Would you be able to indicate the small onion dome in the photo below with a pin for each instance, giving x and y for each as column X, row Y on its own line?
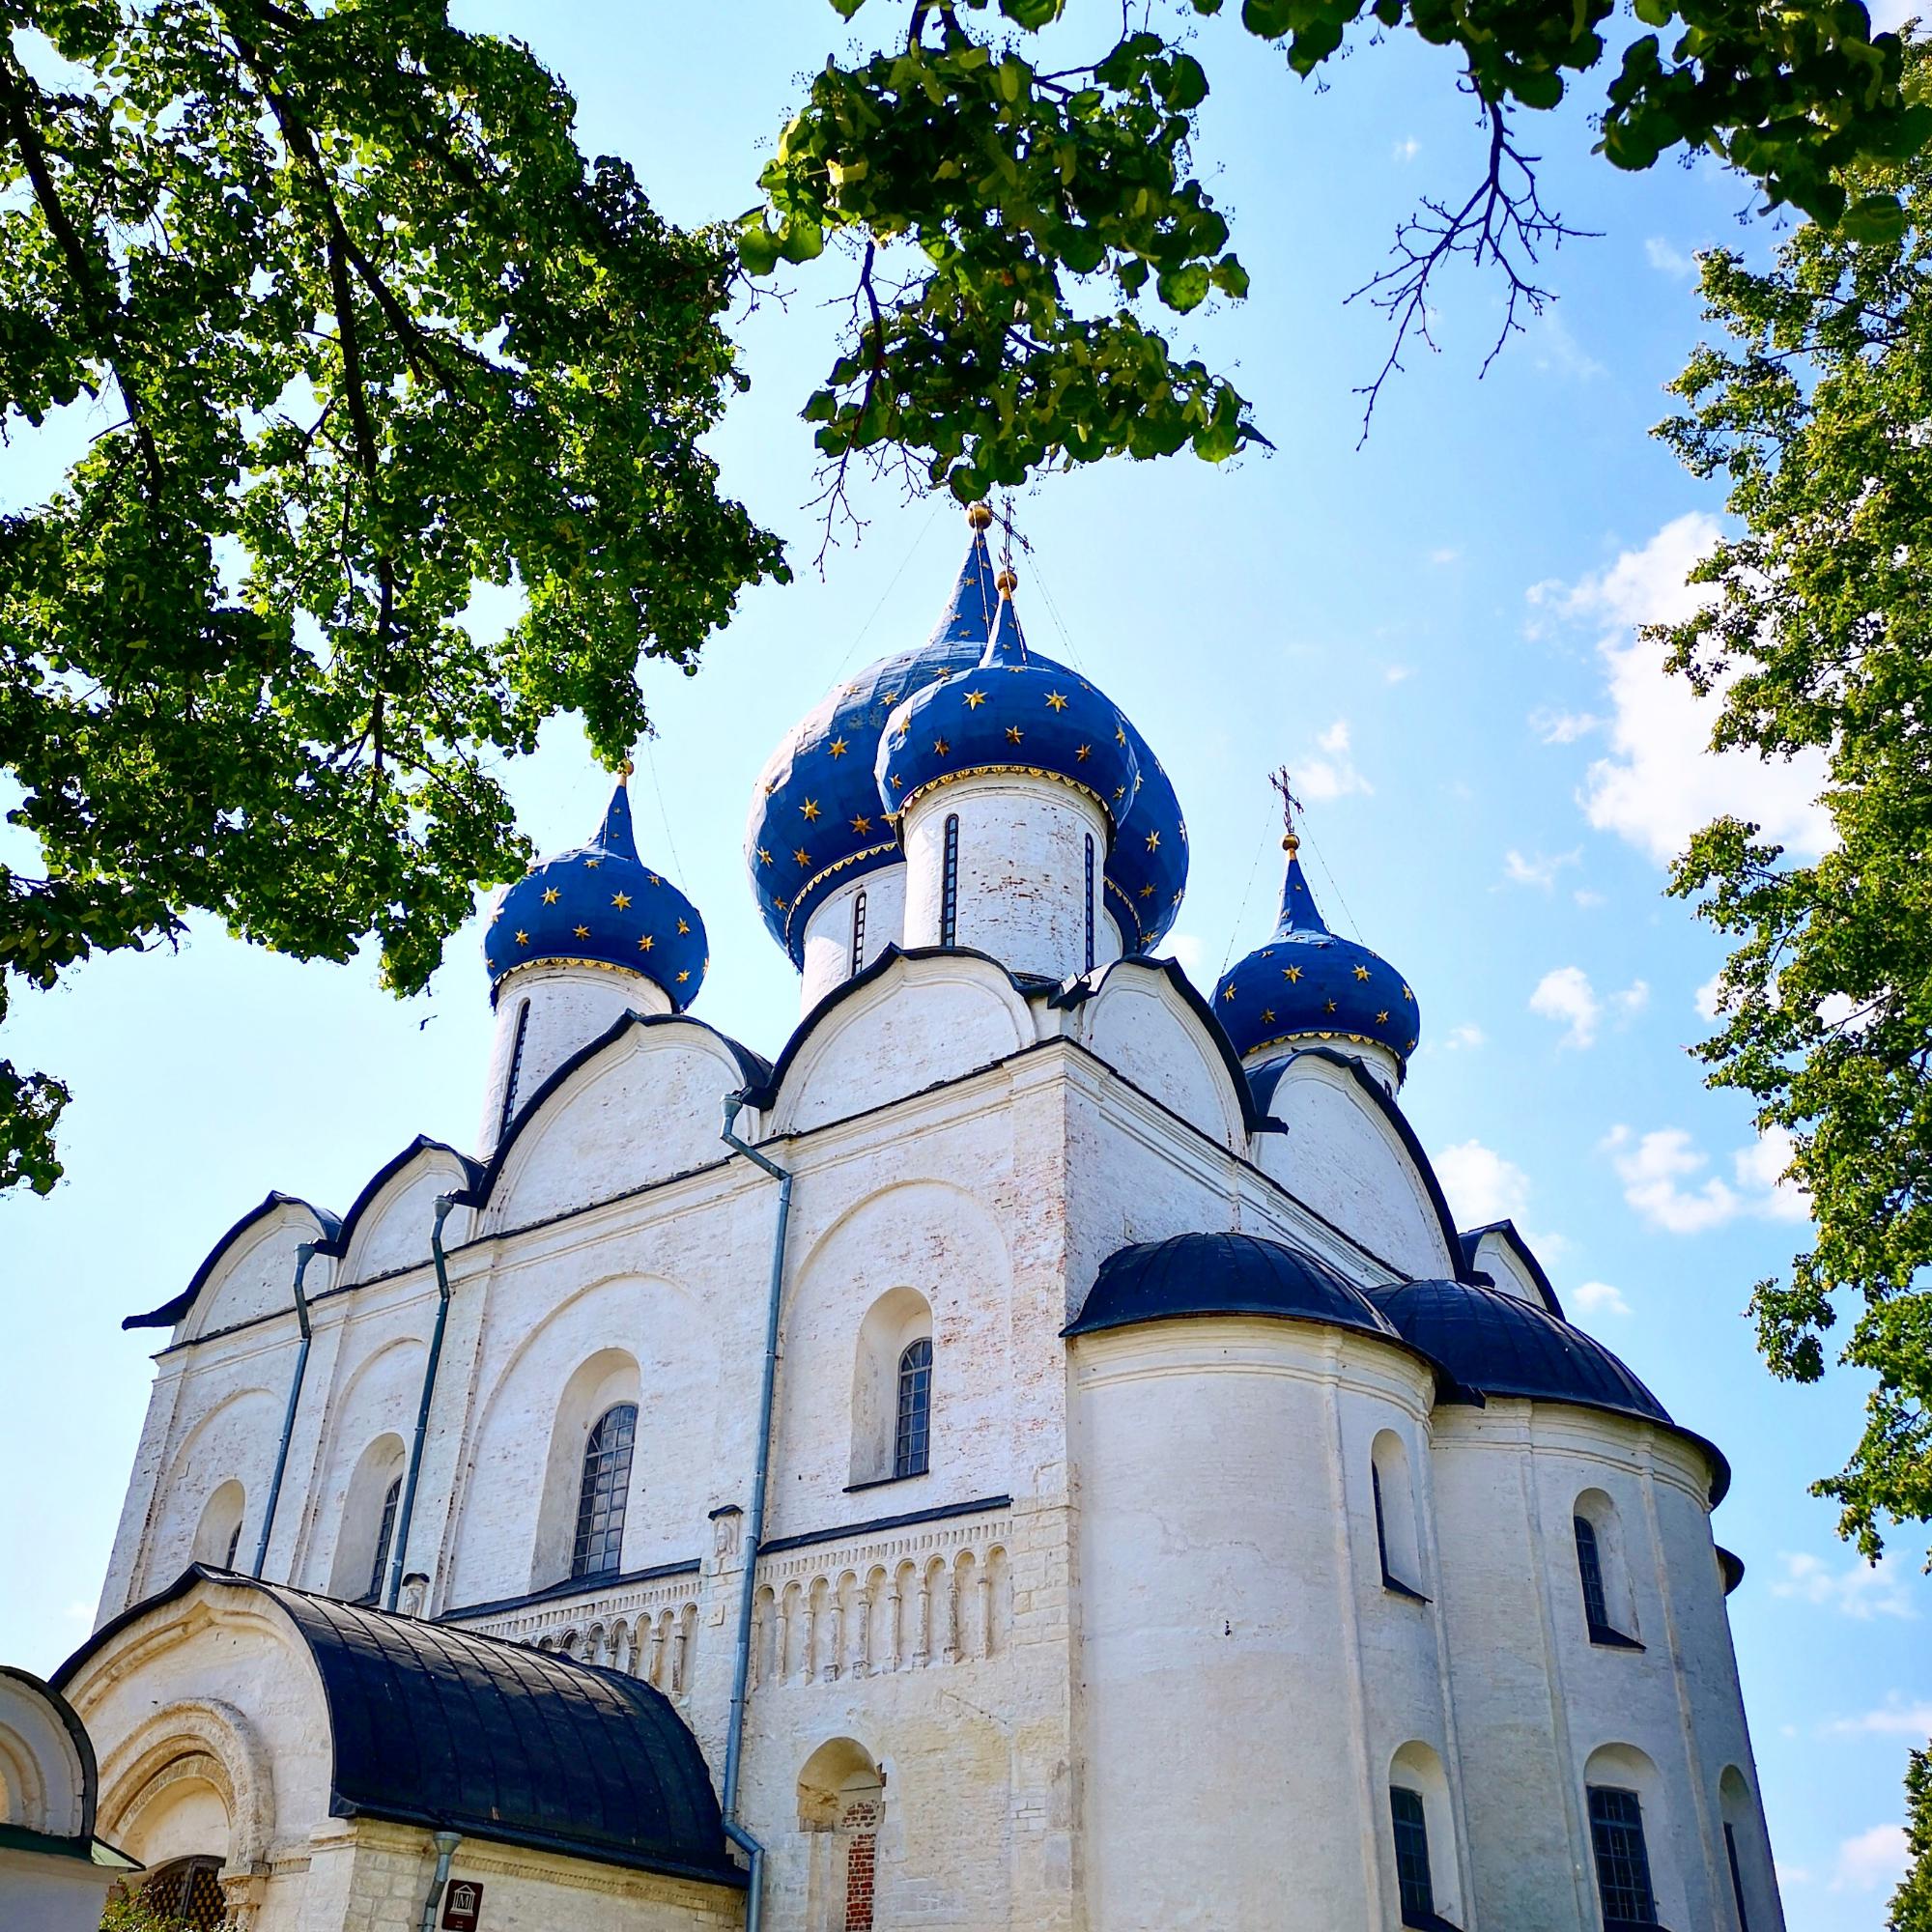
column 1147, row 876
column 1009, row 713
column 1308, row 983
column 600, row 905
column 1222, row 1274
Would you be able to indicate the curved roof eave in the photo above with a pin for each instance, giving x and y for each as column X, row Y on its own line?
column 90, row 1775
column 337, row 1245
column 751, row 1065
column 443, row 1727
column 171, row 1312
column 1266, row 1079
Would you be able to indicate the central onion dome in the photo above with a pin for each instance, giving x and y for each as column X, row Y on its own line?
column 1009, row 713
column 600, row 905
column 816, row 823
column 1310, row 983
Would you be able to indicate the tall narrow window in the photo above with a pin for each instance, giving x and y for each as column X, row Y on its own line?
column 600, row 1503
column 516, row 1067
column 1411, row 1856
column 385, row 1535
column 1590, row 1571
column 1382, row 1520
column 948, row 890
column 858, row 933
column 1737, row 1877
column 234, row 1542
column 1623, row 1862
column 1090, row 903
column 911, row 1437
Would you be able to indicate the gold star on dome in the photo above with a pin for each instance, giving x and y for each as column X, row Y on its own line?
column 1267, row 1017
column 861, row 824
column 591, row 865
column 1120, row 792
column 811, row 810
column 764, row 857
column 1055, row 701
column 898, row 784
column 1146, row 891
column 779, row 903
column 1328, row 1006
column 771, row 785
column 683, row 925
column 1153, row 841
column 1292, row 974
column 621, row 901
column 1361, row 972
column 974, row 700
column 836, row 748
column 522, row 939
column 890, row 697
column 1014, row 734
column 940, row 748
column 1230, row 994
column 1382, row 1018
column 581, row 931
column 653, row 878
column 684, row 975
column 550, row 896
column 1084, row 752
column 646, row 942
column 1408, row 996
column 1120, row 735
column 802, row 857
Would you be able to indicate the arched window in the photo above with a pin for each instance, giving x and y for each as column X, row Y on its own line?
column 187, row 1892
column 911, row 1433
column 1424, row 1832
column 385, row 1532
column 1090, row 903
column 1411, row 1855
column 1394, row 1495
column 858, row 933
column 948, row 884
column 1609, row 1613
column 516, row 1069
column 1622, row 1858
column 841, row 1800
column 1746, row 1853
column 598, row 1549
column 365, row 1539
column 217, row 1538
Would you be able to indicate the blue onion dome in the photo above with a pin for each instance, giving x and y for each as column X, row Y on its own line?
column 1013, row 712
column 600, row 905
column 1310, row 983
column 815, row 822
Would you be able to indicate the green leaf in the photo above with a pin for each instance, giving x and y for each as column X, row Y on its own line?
column 1873, row 218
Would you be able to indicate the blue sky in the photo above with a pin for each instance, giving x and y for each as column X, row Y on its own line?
column 1435, row 632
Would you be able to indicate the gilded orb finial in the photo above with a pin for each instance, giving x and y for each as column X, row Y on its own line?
column 979, row 516
column 1008, row 580
column 624, row 772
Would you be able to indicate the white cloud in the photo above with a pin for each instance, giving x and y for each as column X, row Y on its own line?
column 1333, row 775
column 1893, row 1719
column 1760, row 1172
column 1861, row 1591
column 1541, row 870
column 1468, row 1034
column 1598, row 1297
column 1555, row 349
column 1790, row 1875
column 1482, row 1187
column 1398, row 674
column 1444, row 555
column 1871, row 1860
column 1565, row 994
column 1664, row 1179
column 1407, row 148
column 1706, row 996
column 1661, row 780
column 1667, row 260
column 1563, row 728
column 1588, row 900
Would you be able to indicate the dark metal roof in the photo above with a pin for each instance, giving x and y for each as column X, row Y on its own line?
column 451, row 1730
column 1222, row 1274
column 1495, row 1344
column 1471, row 1238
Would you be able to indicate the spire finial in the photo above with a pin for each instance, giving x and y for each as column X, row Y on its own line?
column 1290, row 840
column 1008, row 580
column 624, row 772
column 979, row 516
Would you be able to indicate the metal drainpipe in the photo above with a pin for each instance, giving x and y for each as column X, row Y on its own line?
column 303, row 1256
column 445, row 1843
column 755, row 1527
column 400, row 1543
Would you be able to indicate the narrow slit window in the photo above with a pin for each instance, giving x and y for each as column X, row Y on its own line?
column 912, row 1434
column 858, row 933
column 1090, row 903
column 607, row 1481
column 1737, row 1877
column 516, row 1067
column 948, row 894
column 385, row 1535
column 1590, row 1572
column 1411, row 1856
column 234, row 1544
column 1623, row 1859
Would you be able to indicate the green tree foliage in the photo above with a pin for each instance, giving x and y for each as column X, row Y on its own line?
column 359, row 330
column 1818, row 638
column 1912, row 1902
column 1041, row 210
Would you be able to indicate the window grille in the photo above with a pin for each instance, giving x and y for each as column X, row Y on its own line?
column 385, row 1535
column 949, row 897
column 1090, row 903
column 858, row 933
column 187, row 1892
column 1623, row 1862
column 600, row 1503
column 516, row 1067
column 1590, row 1569
column 1411, row 1855
column 1737, row 1877
column 912, row 1437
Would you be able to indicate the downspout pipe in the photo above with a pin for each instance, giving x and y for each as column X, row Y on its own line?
column 755, row 1526
column 400, row 1543
column 445, row 1843
column 303, row 1256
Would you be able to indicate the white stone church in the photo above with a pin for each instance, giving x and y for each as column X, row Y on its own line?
column 1038, row 1454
